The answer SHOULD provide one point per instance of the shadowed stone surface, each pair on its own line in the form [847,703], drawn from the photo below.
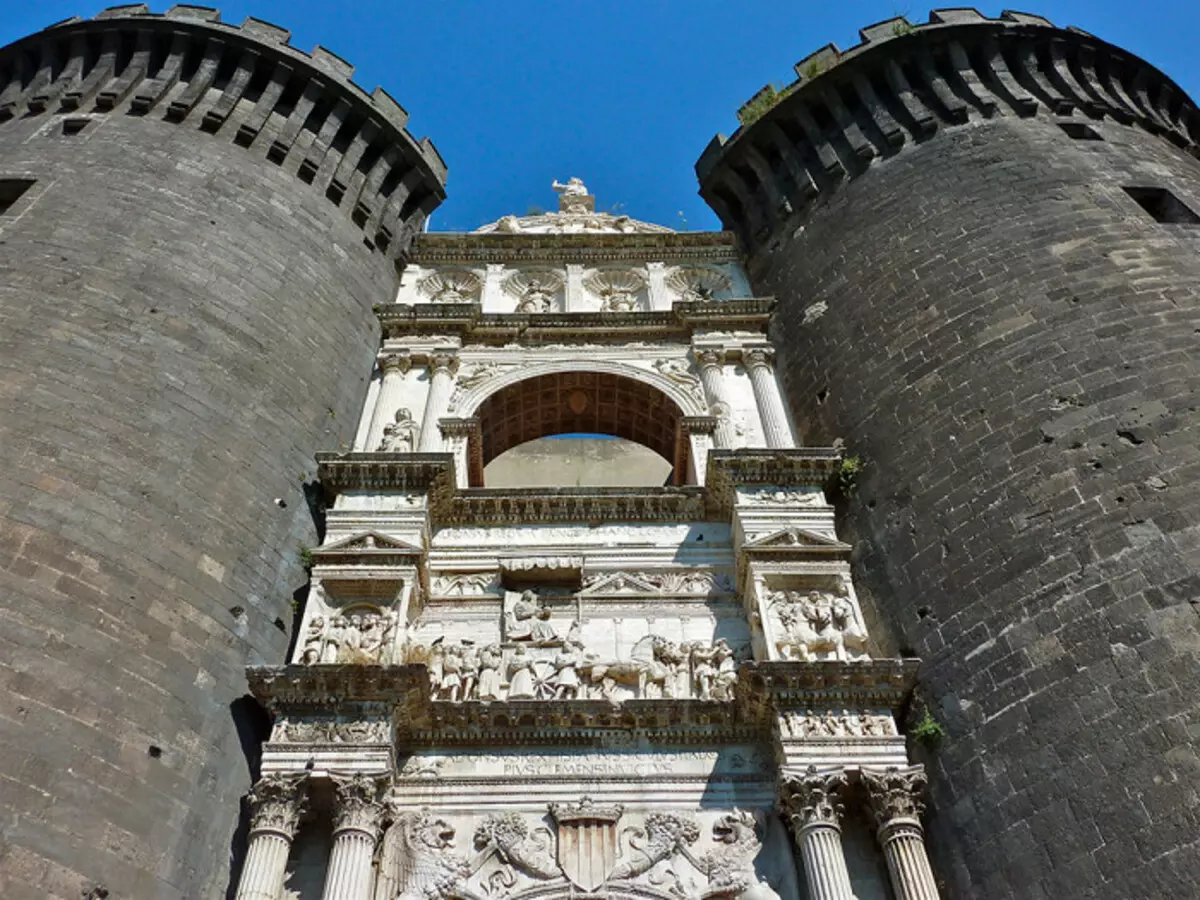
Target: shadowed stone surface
[182,324]
[1009,340]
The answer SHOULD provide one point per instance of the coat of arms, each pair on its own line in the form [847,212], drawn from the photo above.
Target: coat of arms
[587,841]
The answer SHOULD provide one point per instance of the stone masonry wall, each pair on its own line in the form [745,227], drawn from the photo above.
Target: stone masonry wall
[182,325]
[1010,342]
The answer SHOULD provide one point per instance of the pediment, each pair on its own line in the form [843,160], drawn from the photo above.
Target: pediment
[368,542]
[796,539]
[622,583]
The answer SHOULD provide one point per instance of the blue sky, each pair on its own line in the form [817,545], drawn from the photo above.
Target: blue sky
[623,93]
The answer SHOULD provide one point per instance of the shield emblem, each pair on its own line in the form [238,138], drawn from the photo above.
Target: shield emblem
[587,841]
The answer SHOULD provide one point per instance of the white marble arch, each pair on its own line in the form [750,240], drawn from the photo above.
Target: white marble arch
[689,403]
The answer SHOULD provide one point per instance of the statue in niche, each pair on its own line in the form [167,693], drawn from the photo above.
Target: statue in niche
[618,301]
[820,625]
[525,619]
[536,299]
[520,676]
[491,680]
[400,435]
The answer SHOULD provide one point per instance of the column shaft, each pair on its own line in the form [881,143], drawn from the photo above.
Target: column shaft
[441,385]
[766,397]
[390,391]
[350,876]
[908,863]
[712,376]
[265,867]
[824,863]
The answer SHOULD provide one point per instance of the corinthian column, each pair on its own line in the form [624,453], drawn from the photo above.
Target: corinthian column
[894,798]
[357,815]
[813,804]
[760,365]
[276,804]
[442,367]
[394,367]
[711,363]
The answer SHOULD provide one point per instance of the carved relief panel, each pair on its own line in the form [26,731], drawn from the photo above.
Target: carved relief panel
[809,617]
[585,846]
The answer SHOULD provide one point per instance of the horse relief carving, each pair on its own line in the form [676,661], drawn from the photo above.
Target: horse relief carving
[819,625]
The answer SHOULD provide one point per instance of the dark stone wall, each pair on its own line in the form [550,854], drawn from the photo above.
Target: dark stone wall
[182,325]
[1010,342]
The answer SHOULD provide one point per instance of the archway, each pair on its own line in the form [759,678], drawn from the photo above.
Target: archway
[591,403]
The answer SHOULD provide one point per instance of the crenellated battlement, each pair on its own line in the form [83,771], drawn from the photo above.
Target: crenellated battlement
[902,84]
[244,83]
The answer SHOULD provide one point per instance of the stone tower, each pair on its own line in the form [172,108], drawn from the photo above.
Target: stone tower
[539,691]
[984,238]
[195,222]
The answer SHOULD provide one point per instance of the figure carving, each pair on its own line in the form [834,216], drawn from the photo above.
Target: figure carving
[450,286]
[820,625]
[646,671]
[400,435]
[565,681]
[520,675]
[616,288]
[427,866]
[525,619]
[730,864]
[714,671]
[363,638]
[491,680]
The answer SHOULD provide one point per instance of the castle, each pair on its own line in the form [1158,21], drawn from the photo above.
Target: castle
[885,587]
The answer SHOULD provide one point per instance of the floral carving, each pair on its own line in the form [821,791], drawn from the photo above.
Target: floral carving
[277,802]
[469,585]
[357,805]
[508,837]
[895,793]
[813,798]
[331,731]
[664,836]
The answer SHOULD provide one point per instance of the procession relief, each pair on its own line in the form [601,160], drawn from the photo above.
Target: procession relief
[812,619]
[581,847]
[364,633]
[538,658]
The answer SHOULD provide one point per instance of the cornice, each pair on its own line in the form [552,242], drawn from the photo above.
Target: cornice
[472,325]
[797,467]
[458,249]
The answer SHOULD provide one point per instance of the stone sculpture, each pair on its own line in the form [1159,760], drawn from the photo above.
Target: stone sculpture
[400,435]
[820,625]
[356,637]
[714,671]
[730,864]
[508,837]
[525,619]
[427,866]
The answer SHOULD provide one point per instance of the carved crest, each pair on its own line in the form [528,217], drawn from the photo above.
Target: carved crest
[587,841]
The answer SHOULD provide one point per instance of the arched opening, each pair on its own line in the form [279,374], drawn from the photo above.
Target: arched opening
[560,420]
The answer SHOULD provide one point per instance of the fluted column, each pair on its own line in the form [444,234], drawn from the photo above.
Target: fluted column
[394,367]
[894,798]
[813,805]
[357,815]
[276,804]
[442,367]
[711,363]
[760,364]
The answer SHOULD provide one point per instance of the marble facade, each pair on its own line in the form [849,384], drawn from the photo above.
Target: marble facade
[660,693]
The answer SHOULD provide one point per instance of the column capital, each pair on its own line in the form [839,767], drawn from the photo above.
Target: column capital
[813,798]
[709,357]
[759,357]
[443,361]
[277,802]
[395,362]
[894,796]
[357,803]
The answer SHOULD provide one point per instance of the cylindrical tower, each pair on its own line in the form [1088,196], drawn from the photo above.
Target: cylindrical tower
[195,222]
[983,238]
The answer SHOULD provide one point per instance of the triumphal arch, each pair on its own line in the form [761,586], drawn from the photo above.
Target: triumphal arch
[660,686]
